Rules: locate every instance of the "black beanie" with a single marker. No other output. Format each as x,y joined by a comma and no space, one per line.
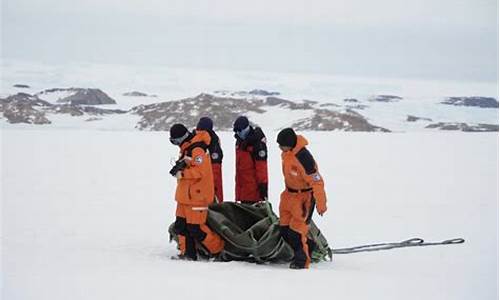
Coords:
287,137
177,131
240,123
205,123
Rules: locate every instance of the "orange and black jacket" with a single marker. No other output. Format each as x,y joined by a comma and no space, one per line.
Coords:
251,166
301,172
196,186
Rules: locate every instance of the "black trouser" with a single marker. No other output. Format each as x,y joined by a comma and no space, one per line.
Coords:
192,233
294,239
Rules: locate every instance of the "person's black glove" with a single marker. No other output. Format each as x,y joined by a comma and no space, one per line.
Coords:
179,166
263,190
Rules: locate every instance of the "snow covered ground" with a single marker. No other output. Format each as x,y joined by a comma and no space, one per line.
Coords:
85,215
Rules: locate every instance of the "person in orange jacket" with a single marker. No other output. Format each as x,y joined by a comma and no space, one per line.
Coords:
195,191
304,190
216,155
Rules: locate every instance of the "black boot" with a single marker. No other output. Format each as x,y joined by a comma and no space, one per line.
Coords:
295,266
300,257
181,229
182,257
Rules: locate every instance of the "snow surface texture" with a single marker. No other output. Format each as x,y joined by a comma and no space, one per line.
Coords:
85,216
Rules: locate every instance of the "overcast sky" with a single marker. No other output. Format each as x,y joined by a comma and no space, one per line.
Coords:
430,39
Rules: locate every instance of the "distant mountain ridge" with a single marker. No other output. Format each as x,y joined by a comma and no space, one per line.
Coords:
224,110
346,114
80,96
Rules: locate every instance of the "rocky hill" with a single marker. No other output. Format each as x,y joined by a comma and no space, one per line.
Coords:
24,108
344,114
464,127
483,102
77,96
327,120
30,109
224,110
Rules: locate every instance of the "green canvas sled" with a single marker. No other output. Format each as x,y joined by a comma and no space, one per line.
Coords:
252,233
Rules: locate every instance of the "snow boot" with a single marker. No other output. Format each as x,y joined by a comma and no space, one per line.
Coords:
183,257
296,266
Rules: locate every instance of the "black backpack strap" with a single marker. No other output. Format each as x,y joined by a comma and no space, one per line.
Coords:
189,150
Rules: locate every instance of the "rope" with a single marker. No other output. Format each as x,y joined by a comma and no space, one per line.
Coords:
414,242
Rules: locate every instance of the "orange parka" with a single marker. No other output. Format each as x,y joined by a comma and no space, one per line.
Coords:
301,172
196,186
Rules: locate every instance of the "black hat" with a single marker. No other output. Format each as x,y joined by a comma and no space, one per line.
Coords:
177,131
240,123
178,134
205,123
287,138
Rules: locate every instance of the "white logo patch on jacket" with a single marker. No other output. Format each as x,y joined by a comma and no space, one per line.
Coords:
198,160
316,177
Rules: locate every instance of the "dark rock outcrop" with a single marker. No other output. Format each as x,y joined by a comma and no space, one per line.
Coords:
24,108
385,98
411,118
135,94
255,92
311,102
357,106
483,102
329,105
327,120
21,86
274,101
464,127
351,100
258,92
81,96
77,110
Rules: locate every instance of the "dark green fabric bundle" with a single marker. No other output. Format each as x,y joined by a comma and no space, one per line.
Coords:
251,233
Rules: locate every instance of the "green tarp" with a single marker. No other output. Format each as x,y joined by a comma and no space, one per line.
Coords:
251,233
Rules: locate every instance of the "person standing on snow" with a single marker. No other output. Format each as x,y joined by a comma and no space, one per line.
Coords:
215,151
304,189
251,162
195,191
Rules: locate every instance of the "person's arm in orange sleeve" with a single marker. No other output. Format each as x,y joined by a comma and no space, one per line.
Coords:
315,181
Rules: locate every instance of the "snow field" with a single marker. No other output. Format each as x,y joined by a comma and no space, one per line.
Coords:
85,214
